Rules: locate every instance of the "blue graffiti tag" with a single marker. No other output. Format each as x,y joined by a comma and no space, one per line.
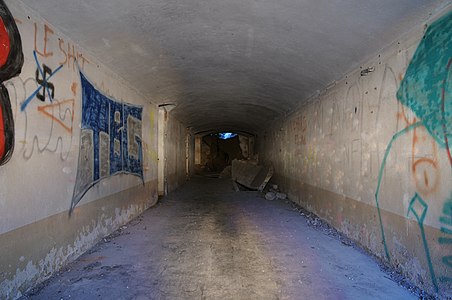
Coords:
110,140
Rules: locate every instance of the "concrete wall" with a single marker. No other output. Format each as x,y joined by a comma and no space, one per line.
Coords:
175,149
190,152
373,160
37,235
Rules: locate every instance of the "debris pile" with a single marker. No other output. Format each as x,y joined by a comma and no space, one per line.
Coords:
251,175
274,193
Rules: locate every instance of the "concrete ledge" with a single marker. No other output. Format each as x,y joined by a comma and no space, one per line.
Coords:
32,253
359,221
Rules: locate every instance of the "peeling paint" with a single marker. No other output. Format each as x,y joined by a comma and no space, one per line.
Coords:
38,271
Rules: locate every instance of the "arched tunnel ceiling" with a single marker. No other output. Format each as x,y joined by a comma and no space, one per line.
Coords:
234,64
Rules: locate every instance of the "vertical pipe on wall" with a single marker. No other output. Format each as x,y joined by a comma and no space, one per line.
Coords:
162,119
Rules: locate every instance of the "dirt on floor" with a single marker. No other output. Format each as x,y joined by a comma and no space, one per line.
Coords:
206,241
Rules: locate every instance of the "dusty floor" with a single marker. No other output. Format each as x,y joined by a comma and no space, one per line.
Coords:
206,241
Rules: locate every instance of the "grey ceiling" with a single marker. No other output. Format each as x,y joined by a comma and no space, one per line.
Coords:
232,64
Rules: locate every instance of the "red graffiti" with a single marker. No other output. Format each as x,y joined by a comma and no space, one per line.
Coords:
11,62
4,53
2,134
74,88
47,110
47,31
71,55
425,170
4,44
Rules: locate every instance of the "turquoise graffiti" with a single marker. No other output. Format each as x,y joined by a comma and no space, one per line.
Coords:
418,207
446,229
426,86
425,89
380,176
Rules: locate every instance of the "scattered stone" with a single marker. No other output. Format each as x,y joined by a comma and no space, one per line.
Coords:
347,242
275,187
281,196
270,196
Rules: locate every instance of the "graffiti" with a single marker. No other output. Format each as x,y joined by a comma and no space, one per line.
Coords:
423,90
11,62
53,132
6,127
110,140
380,176
74,88
43,136
446,229
65,110
443,110
47,31
418,208
72,57
426,174
447,132
425,170
44,84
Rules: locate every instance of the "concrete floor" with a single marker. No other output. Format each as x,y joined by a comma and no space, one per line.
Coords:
206,241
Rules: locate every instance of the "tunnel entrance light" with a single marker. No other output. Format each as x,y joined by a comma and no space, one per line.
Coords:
226,135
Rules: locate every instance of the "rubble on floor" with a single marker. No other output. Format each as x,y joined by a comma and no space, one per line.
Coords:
274,193
250,174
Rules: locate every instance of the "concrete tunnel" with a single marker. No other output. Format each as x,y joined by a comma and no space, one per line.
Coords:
110,113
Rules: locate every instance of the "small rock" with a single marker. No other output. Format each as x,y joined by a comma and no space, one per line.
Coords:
275,186
281,196
270,196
